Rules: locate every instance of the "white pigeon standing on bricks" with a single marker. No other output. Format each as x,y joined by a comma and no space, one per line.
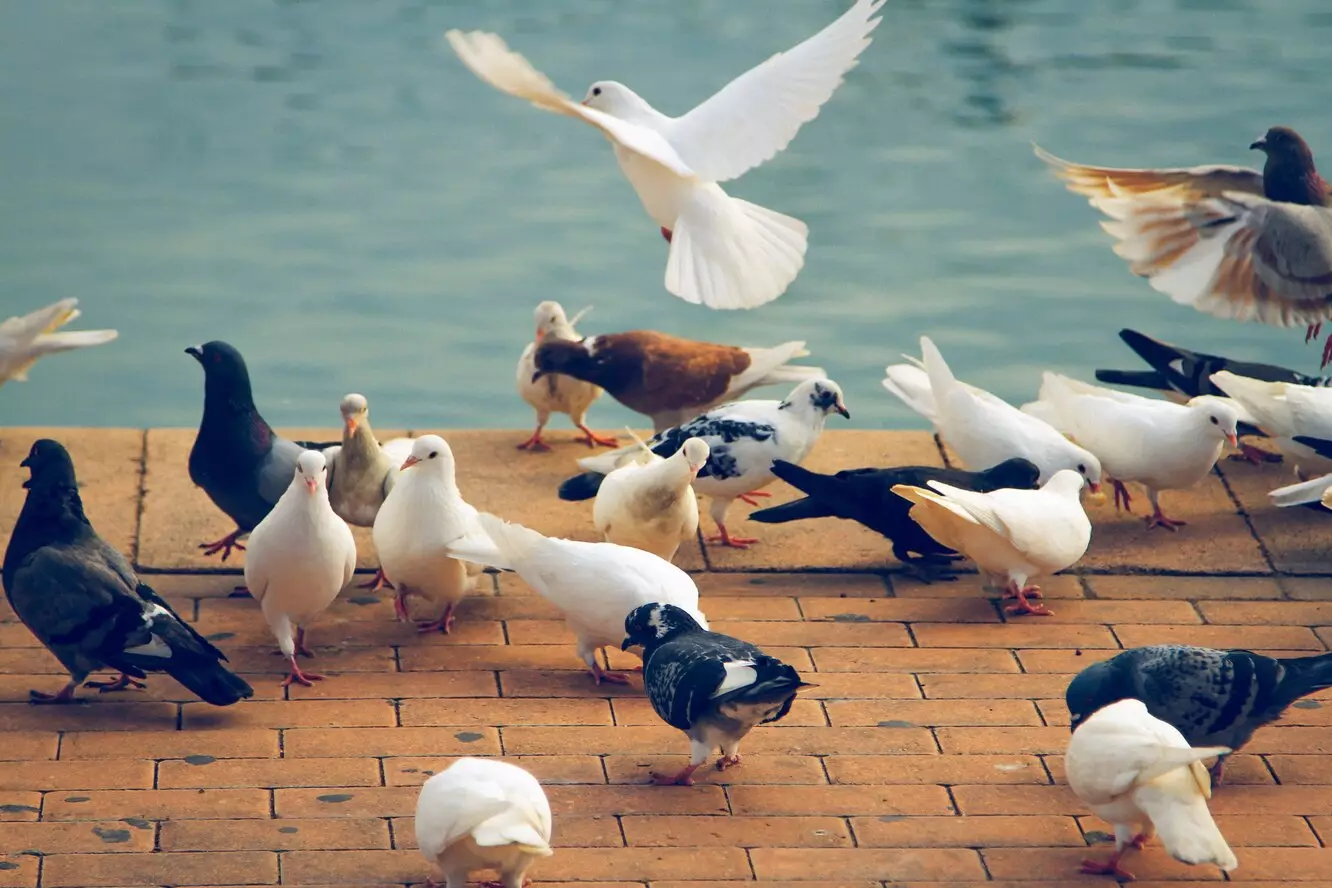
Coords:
556,392
483,814
648,502
1140,775
298,559
725,252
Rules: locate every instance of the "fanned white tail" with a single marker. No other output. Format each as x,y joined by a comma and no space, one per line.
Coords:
728,253
1178,809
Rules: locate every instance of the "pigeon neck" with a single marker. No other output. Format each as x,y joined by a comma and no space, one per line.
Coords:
1292,180
52,513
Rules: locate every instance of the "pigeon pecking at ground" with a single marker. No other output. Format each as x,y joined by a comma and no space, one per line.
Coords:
300,557
594,584
1138,774
725,253
83,601
25,339
743,438
866,497
1156,443
669,379
713,687
1285,411
555,392
237,458
648,502
1012,535
483,814
1212,697
1230,241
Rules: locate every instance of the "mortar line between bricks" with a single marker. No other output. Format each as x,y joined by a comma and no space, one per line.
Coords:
140,498
393,836
749,858
60,744
1248,521
383,771
282,742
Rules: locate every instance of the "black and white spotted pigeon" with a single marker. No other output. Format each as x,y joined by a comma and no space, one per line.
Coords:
83,601
1212,697
713,687
743,437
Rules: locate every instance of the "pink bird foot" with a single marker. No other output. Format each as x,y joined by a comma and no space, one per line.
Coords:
685,777
728,761
116,684
534,443
592,439
1159,519
726,540
443,624
305,679
224,545
1023,605
381,581
749,497
301,649
1121,492
41,698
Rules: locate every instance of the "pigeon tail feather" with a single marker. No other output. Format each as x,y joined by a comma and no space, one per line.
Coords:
582,487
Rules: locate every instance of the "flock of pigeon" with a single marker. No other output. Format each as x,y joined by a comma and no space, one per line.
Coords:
1230,241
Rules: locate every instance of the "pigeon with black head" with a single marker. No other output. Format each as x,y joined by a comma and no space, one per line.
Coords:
714,688
85,604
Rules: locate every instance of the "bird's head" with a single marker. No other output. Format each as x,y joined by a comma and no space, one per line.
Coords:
1284,143
1090,690
48,465
695,452
649,625
1016,473
224,368
355,412
1069,482
1087,466
430,450
311,470
1220,416
560,356
820,396
550,318
615,99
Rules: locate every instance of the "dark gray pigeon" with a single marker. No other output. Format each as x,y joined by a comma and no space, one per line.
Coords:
82,600
713,687
1214,698
866,496
237,458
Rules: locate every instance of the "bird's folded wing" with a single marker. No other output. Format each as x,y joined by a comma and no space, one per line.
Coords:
979,506
448,813
758,113
1234,256
490,59
1200,181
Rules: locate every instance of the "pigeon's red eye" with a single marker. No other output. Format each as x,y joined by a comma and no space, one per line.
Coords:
216,357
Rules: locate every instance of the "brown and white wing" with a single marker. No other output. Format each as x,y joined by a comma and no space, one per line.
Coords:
1200,181
1236,255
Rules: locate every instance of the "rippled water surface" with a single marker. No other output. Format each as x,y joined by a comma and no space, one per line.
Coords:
324,185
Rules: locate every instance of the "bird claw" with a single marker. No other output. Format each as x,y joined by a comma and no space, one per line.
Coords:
1108,868
592,439
305,679
41,698
224,545
1157,519
381,581
534,443
400,607
725,539
443,624
728,761
1121,492
116,684
600,675
1023,605
301,649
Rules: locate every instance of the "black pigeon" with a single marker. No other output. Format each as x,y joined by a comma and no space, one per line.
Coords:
1214,698
237,458
713,687
83,601
1188,373
866,496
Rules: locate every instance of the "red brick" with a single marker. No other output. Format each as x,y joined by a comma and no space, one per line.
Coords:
20,746
157,804
914,660
531,657
738,832
928,713
269,773
1256,801
832,585
1247,770
546,768
1062,865
19,806
557,683
1300,865
1032,686
899,610
1294,638
638,711
1291,741
79,837
768,635
1008,741
23,873
231,743
1323,827
615,800
1089,611
838,801
1064,662
779,769
647,863
275,835
1013,635
250,630
752,608
405,685
940,769
1241,831
1064,586
292,714
508,607
867,863
653,740
92,714
531,711
331,660
362,802
862,686
570,832
1183,588
337,742
1268,613
1035,831
42,775
187,868
1017,800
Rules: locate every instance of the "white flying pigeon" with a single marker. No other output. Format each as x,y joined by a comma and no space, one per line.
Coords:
298,559
725,252
421,516
1284,411
1159,444
1012,535
743,438
25,339
596,585
648,502
982,429
483,814
1139,774
555,392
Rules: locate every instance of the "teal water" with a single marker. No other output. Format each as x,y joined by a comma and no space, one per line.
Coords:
325,186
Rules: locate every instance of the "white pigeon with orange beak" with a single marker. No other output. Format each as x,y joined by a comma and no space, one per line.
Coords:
421,516
725,253
648,503
555,392
298,559
1159,444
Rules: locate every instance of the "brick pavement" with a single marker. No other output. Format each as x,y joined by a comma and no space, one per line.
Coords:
930,752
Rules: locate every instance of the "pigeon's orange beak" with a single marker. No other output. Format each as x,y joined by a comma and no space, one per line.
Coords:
1232,440
583,103
350,424
538,336
311,484
1094,488
409,462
